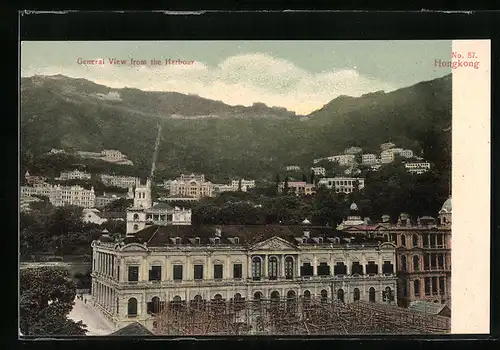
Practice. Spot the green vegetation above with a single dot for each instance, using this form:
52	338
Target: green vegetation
46	298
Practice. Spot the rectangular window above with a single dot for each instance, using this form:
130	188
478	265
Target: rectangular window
323	269
198	272
441	261
440	240
441	285
426	262
133	273
218	271
357	269
118	273
306	269
433	261
427	286
237	271
177	272
387	268
371	268
155	273
340	269
426	241
434	286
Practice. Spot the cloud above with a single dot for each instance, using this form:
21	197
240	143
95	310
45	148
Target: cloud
238	80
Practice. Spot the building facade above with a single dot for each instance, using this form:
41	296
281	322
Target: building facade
342	184
369	158
193	186
292	168
119	181
74	175
299	188
423	255
318	171
132	280
353	150
62	195
107	198
343	159
418	167
245	184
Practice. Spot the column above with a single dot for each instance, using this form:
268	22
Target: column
348	263
249	266
265	267
282	272
315	266
297	263
435	240
227	268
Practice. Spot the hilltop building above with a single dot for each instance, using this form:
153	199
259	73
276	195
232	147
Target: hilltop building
318	171
299	188
161	266
119	181
107	198
62	195
32	179
145	213
74	175
245	184
342	184
292	168
418	167
353	150
191	186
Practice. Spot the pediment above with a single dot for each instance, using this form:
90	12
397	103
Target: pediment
274	243
134	247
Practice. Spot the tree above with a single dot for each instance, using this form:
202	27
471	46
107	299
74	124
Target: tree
312	177
285	186
46	298
119	205
304	178
239	185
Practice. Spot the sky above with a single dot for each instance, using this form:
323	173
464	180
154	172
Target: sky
301	76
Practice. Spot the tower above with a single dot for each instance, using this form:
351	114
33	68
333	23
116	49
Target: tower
142	197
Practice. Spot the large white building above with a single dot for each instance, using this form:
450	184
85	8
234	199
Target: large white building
342	184
389	155
369	158
245	184
292	168
145	213
74	175
119	181
62	195
191	186
299	188
418	167
353	150
343	159
133	279
319	171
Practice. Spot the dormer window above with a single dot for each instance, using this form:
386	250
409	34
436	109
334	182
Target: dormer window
197	240
236	240
178	240
217	240
320	239
304	240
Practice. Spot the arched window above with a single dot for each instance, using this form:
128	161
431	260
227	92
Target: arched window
290	301
177	240
416	287
256	268
132	307
340	295
403	263
403	240
388	295
176	303
356	294
155	305
136	216
238	302
273	268
136	227
415	240
198	302
324	296
275	296
307	294
416	263
257	296
371	295
217	240
289	268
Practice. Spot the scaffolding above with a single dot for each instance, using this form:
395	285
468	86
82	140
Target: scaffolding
313	316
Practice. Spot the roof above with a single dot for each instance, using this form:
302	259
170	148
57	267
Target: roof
133	329
156	235
427	307
162	206
446	208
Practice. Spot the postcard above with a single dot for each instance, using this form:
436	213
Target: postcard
292	188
